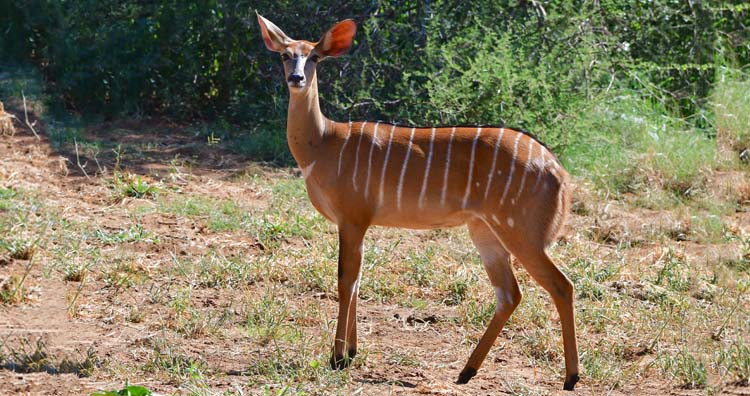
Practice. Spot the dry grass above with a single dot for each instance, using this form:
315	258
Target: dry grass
6	122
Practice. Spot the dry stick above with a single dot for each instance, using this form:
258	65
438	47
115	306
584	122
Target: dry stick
102	171
78	160
23	279
718	333
26	115
72	311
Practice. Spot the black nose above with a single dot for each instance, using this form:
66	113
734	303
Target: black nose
296	78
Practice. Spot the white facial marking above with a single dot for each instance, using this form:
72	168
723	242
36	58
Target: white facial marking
369	161
510	221
308	169
525	169
494	161
512	167
356	157
403	171
426	171
540	169
299	69
447	167
385	164
471	168
343	146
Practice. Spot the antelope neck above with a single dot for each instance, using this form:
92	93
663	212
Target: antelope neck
305	126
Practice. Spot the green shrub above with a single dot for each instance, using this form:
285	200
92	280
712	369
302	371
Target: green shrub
731	108
625	144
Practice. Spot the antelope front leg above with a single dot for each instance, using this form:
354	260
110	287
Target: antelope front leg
350	263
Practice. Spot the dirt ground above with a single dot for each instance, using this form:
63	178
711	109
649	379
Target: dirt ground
432	346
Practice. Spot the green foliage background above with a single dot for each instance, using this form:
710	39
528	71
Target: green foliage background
556	67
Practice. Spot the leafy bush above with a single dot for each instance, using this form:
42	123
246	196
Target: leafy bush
731	108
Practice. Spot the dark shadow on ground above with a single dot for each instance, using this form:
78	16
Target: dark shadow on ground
137	145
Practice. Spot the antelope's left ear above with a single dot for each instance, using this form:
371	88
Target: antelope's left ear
338	39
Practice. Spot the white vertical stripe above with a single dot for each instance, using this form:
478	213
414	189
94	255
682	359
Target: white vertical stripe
471	168
525	168
447	167
385	164
494	161
356	156
540	170
512	167
343	146
369	161
403	171
308	169
553	167
495	219
426	171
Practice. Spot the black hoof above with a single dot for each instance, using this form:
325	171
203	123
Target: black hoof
341	362
467	374
570	382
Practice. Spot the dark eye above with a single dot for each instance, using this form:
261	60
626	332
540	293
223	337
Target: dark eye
285	57
315	58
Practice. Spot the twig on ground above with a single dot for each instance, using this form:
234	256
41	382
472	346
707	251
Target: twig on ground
78	160
26	115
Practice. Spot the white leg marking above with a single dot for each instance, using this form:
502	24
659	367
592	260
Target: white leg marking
494	161
385	164
540	170
525	168
510	221
308	169
356	156
369	161
343	146
495	219
471	168
503	298
447	167
403	171
352	297
426	171
512	167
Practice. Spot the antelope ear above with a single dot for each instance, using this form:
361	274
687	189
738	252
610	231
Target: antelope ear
275	39
338	39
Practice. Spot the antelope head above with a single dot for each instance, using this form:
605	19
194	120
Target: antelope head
300	56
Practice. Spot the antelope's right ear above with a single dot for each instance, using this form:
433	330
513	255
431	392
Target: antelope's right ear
338	39
274	37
